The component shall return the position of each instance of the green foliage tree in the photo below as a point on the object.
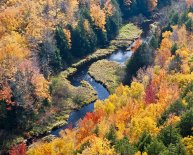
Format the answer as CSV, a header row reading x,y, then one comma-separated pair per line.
x,y
189,24
183,18
125,8
111,135
155,147
187,95
162,3
174,49
49,58
154,42
169,135
83,41
175,109
140,59
134,8
143,142
113,22
174,149
186,123
63,45
174,19
123,147
101,37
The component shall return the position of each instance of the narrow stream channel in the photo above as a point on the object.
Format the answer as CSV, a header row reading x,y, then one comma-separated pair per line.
x,y
121,57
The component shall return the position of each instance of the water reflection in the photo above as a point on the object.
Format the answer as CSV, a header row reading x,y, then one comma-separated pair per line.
x,y
120,56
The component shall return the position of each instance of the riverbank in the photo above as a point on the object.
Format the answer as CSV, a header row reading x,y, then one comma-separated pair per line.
x,y
128,34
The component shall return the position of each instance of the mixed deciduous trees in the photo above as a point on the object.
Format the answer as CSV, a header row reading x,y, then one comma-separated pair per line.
x,y
153,114
38,38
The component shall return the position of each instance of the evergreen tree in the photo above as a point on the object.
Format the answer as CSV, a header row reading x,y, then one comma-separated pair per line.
x,y
63,45
189,24
84,40
111,135
123,147
188,96
113,23
174,19
169,135
174,49
143,142
186,123
154,42
141,58
155,147
49,58
162,3
174,149
175,108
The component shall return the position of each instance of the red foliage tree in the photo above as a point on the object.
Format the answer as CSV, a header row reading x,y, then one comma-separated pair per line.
x,y
6,95
18,150
94,116
150,94
88,123
136,45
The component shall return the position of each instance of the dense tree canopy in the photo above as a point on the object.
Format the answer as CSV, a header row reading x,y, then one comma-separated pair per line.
x,y
40,38
153,114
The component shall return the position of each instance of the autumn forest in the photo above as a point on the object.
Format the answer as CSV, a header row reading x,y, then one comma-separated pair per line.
x,y
96,77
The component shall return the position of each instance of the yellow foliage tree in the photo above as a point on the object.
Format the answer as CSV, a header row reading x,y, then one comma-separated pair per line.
x,y
165,49
140,125
41,149
98,16
98,146
188,142
13,46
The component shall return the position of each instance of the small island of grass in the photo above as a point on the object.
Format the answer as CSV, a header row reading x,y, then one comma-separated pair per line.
x,y
106,72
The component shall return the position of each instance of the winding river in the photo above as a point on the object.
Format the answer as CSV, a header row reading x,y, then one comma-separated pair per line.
x,y
121,57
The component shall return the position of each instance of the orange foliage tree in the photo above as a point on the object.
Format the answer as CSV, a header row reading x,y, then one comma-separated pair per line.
x,y
20,149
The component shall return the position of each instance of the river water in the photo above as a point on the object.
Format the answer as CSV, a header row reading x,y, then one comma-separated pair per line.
x,y
121,57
